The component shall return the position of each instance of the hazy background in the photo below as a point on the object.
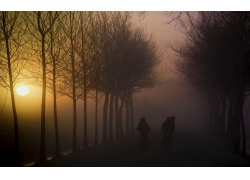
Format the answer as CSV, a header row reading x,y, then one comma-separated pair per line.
x,y
171,97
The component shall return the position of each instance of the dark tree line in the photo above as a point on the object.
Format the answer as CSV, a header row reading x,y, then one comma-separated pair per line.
x,y
80,55
214,60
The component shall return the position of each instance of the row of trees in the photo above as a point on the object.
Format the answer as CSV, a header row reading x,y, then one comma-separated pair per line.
x,y
80,55
214,59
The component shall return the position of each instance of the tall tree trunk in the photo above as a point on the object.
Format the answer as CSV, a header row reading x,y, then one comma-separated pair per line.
x,y
120,119
127,115
74,145
85,132
42,147
132,116
85,136
117,129
54,98
96,116
17,157
111,115
105,118
40,27
55,111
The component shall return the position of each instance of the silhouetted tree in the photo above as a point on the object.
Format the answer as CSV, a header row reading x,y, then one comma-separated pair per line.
x,y
104,51
56,39
213,43
121,29
39,24
95,64
72,64
84,52
12,61
129,64
140,68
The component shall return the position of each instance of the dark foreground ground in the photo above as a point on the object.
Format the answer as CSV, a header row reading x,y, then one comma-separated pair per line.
x,y
190,149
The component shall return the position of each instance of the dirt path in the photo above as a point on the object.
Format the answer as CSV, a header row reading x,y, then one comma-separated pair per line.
x,y
190,149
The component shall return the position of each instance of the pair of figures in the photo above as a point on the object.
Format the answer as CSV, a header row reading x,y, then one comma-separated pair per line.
x,y
168,128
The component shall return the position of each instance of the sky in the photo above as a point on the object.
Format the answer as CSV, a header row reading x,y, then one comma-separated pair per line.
x,y
126,5
155,22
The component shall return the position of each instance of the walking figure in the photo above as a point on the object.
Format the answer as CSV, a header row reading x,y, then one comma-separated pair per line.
x,y
168,128
143,128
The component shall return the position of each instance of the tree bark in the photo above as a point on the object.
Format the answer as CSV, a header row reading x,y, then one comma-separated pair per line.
x,y
55,111
42,147
127,115
74,145
117,129
96,116
120,119
105,118
54,97
132,116
13,103
111,116
85,132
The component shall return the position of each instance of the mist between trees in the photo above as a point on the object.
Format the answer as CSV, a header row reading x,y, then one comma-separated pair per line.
x,y
104,57
80,55
214,59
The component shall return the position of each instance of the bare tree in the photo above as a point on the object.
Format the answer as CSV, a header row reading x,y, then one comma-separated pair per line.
x,y
201,60
56,55
95,63
86,52
140,69
71,29
39,24
105,56
11,61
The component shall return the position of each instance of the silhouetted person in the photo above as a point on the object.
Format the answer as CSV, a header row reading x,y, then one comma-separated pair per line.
x,y
143,128
168,128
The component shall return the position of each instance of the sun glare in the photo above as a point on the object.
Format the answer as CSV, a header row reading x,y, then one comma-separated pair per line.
x,y
22,90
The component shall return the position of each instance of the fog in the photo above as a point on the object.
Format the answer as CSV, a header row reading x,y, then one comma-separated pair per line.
x,y
172,97
145,63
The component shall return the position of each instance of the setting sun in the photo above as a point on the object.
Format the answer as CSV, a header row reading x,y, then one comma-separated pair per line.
x,y
22,90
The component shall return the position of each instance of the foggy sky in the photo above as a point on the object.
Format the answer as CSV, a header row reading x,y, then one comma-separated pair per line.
x,y
155,22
